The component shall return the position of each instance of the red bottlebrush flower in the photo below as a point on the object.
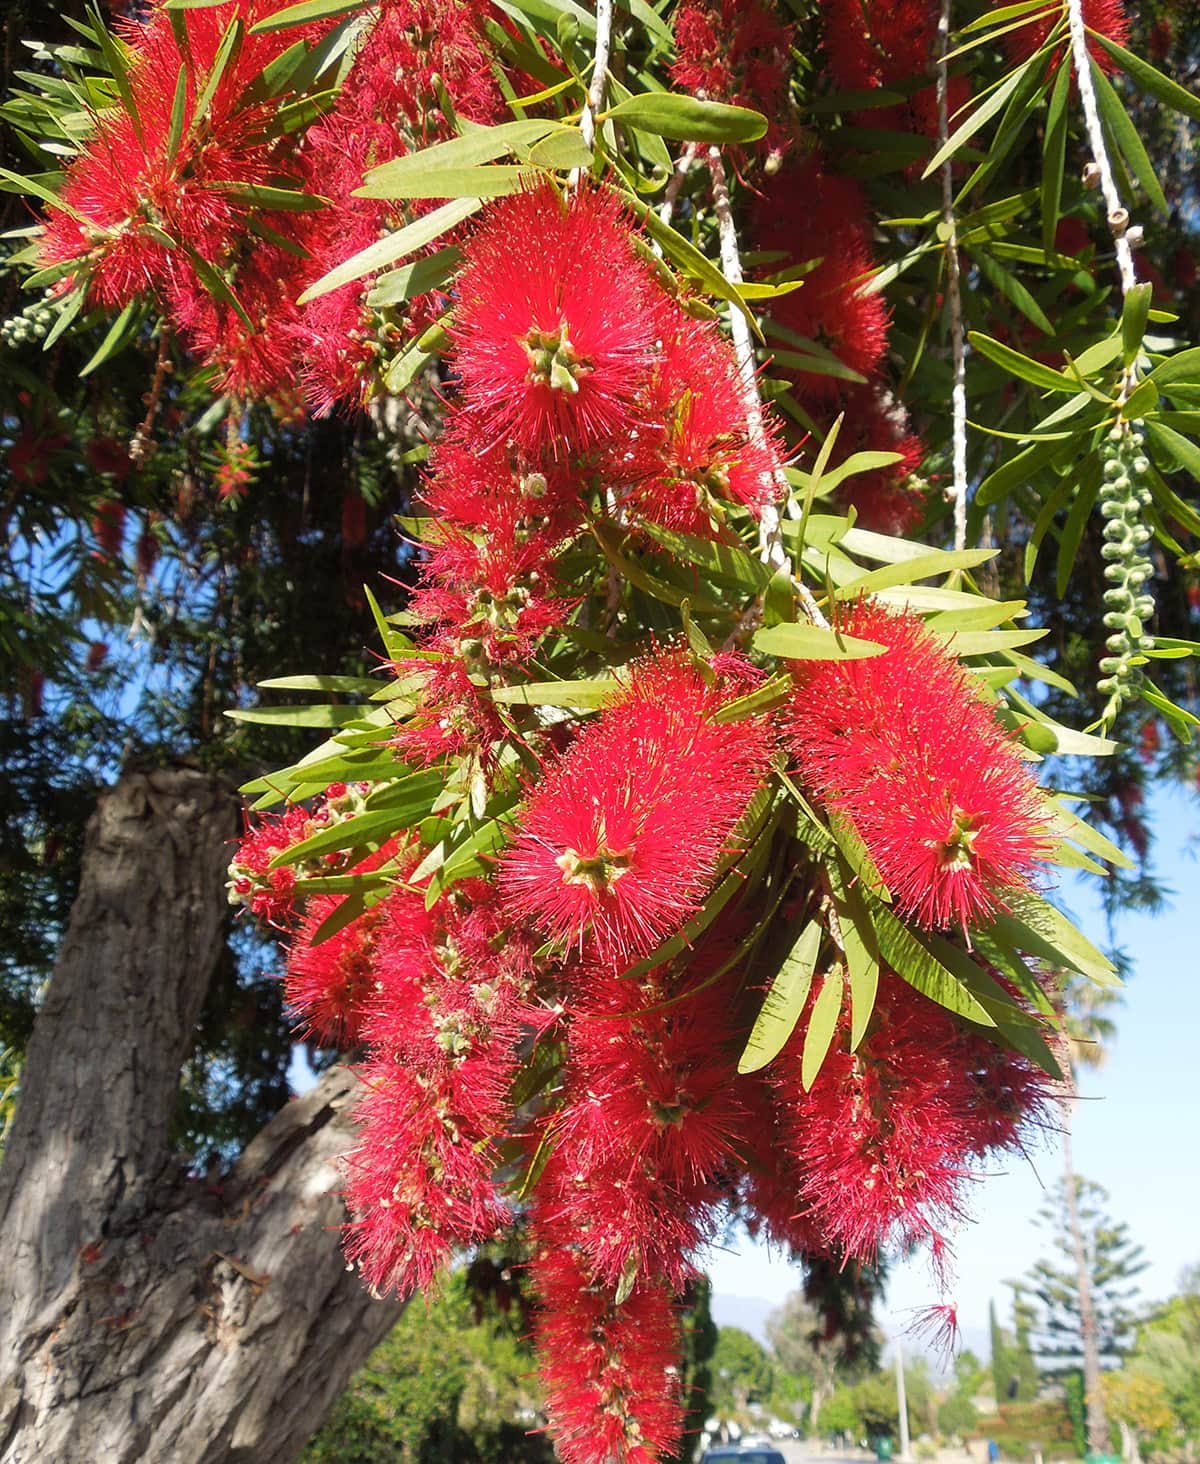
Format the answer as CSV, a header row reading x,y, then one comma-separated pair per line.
x,y
97,654
1106,17
106,455
146,551
736,52
875,42
610,1372
108,525
903,745
556,325
252,881
329,984
887,1137
807,213
649,1126
29,457
938,1325
452,717
619,841
445,1022
703,454
130,186
481,491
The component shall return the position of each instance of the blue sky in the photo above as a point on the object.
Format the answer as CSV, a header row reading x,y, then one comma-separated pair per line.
x,y
1137,1126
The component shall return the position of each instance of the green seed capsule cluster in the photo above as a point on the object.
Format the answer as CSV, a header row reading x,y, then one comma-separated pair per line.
x,y
32,324
1128,605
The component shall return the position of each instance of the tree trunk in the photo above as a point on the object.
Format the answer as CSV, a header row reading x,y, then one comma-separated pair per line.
x,y
1097,1420
146,1315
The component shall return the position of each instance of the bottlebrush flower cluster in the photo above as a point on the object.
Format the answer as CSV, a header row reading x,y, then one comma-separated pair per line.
x,y
810,216
185,212
561,1030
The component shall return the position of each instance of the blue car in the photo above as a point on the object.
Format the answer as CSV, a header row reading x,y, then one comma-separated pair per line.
x,y
750,1454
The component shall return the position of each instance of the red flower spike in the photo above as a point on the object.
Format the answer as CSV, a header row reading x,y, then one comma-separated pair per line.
x,y
902,744
736,51
610,1372
702,454
329,984
556,324
883,1144
617,844
445,1021
644,1143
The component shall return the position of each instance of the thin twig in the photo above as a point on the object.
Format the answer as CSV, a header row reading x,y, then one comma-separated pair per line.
x,y
683,166
1118,214
958,489
770,535
595,97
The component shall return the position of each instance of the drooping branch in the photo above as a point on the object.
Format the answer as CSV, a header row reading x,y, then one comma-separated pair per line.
x,y
1118,214
953,292
603,49
770,528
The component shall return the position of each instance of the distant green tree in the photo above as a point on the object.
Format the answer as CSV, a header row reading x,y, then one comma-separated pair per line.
x,y
969,1373
742,1371
1003,1360
1168,1350
442,1389
957,1416
699,1344
839,1414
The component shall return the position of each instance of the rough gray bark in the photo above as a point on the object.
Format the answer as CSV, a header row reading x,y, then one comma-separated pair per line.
x,y
144,1316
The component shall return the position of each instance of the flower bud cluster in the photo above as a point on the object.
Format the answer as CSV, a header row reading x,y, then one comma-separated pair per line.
x,y
1128,604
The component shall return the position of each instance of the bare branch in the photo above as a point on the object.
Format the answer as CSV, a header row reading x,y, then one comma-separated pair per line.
x,y
958,490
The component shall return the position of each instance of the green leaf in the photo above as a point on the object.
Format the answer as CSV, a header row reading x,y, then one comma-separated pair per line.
x,y
427,273
905,954
689,259
230,45
1184,367
687,119
395,246
119,332
784,1002
1134,314
1012,289
18,184
1125,135
1178,451
923,566
479,145
1054,153
1147,79
860,947
562,149
280,200
772,693
303,14
1021,366
822,1024
583,695
1017,470
1087,489
318,716
986,109
726,562
1065,821
493,180
1036,927
812,643
355,685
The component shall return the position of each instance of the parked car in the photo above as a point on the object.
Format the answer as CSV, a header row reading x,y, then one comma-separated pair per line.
x,y
742,1454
